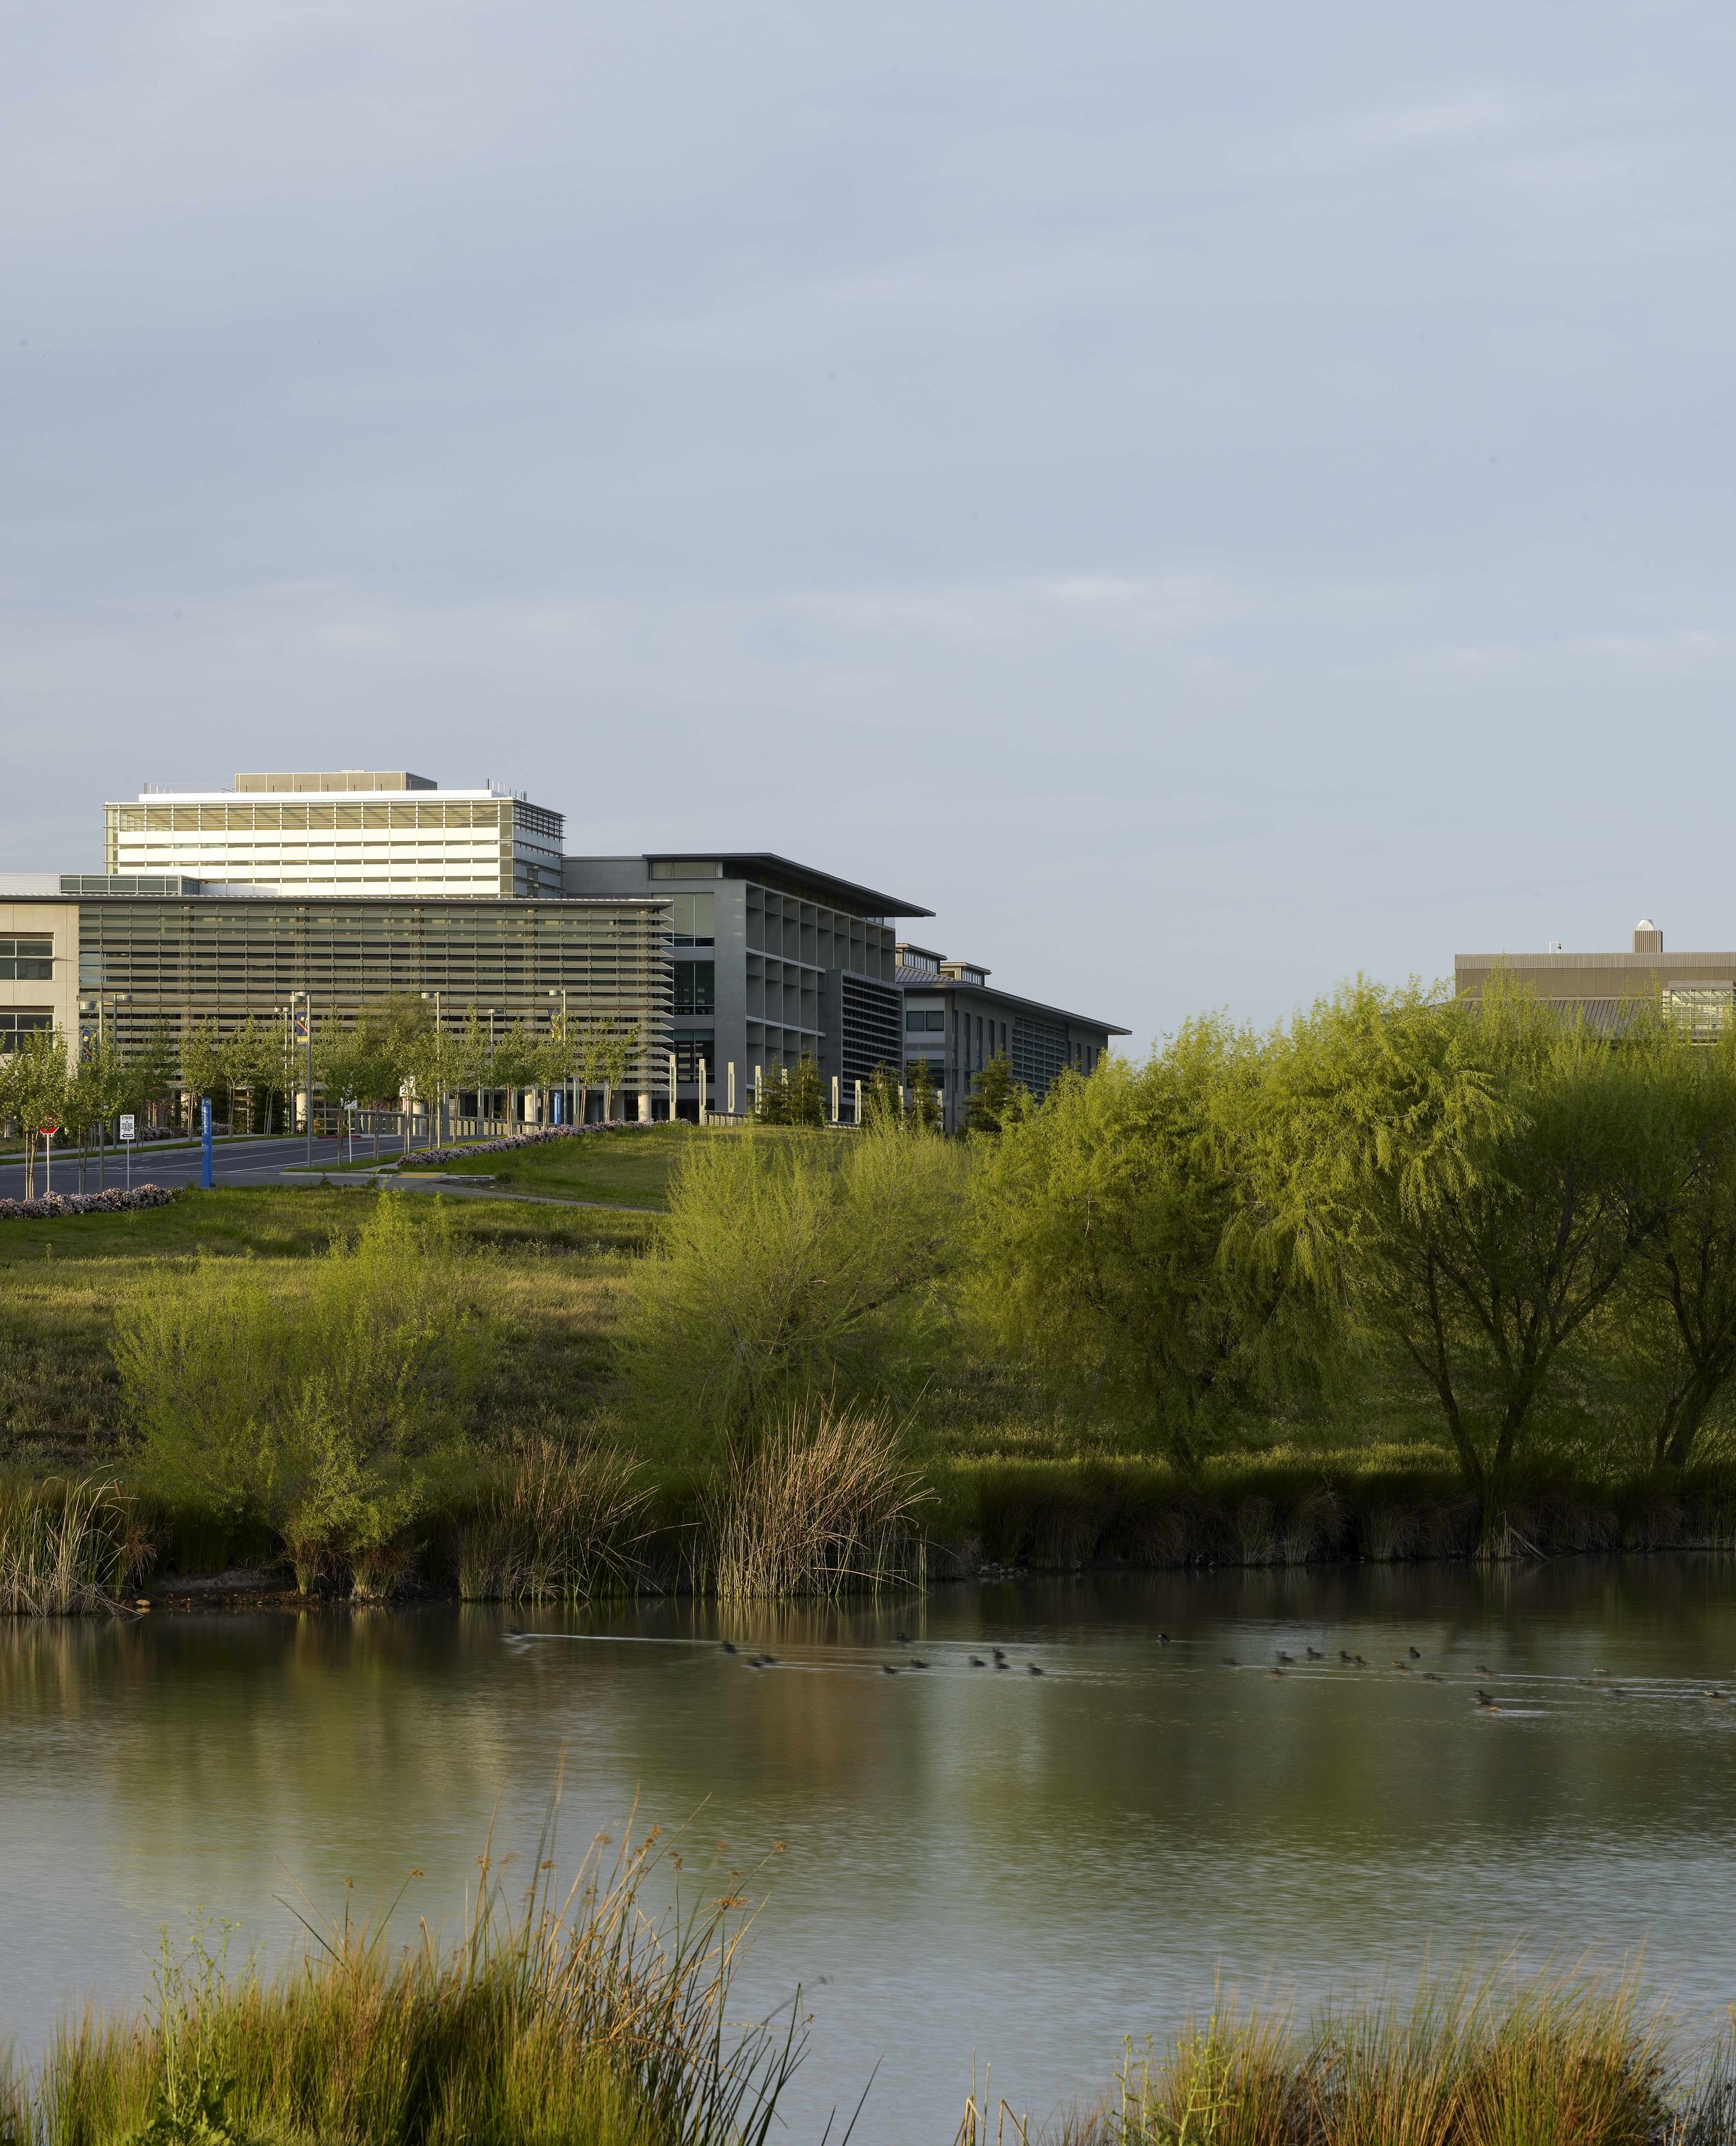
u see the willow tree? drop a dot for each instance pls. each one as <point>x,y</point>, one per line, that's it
<point>1120,1249</point>
<point>1680,1183</point>
<point>1463,1169</point>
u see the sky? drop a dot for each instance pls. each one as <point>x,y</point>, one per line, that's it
<point>1210,501</point>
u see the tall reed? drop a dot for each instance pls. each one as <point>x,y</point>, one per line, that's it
<point>67,1547</point>
<point>823,1503</point>
<point>556,1523</point>
<point>582,2016</point>
<point>1491,2060</point>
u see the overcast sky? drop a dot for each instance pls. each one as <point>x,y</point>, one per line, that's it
<point>1207,499</point>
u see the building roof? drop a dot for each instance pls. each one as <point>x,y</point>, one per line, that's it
<point>925,980</point>
<point>766,865</point>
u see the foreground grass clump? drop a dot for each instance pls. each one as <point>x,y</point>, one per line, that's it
<point>555,1523</point>
<point>1551,2061</point>
<point>823,1503</point>
<point>582,2017</point>
<point>67,1547</point>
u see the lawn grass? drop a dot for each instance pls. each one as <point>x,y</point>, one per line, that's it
<point>628,1168</point>
<point>553,1277</point>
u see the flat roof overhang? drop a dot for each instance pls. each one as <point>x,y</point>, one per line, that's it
<point>765,864</point>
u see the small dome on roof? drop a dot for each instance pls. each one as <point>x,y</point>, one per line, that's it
<point>1645,924</point>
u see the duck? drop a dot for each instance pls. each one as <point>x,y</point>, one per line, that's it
<point>915,1664</point>
<point>888,1669</point>
<point>1487,1704</point>
<point>1315,1655</point>
<point>1414,1653</point>
<point>1344,1657</point>
<point>1032,1667</point>
<point>728,1648</point>
<point>1163,1639</point>
<point>978,1663</point>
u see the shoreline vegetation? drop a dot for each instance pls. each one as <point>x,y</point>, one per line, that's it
<point>1408,1279</point>
<point>601,2009</point>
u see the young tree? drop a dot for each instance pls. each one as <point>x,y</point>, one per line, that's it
<point>1114,1254</point>
<point>924,1112</point>
<point>1462,1165</point>
<point>203,1068</point>
<point>610,1047</point>
<point>788,1269</point>
<point>806,1093</point>
<point>88,1097</point>
<point>553,1063</point>
<point>772,1098</point>
<point>1679,1309</point>
<point>882,1098</point>
<point>33,1091</point>
<point>997,1100</point>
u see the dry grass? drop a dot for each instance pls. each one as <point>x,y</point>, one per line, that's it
<point>583,2016</point>
<point>1491,2060</point>
<point>824,1504</point>
<point>555,1524</point>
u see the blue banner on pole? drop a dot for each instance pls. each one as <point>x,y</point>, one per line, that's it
<point>205,1142</point>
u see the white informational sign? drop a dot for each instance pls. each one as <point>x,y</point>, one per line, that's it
<point>128,1125</point>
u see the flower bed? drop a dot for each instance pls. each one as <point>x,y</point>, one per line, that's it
<point>53,1204</point>
<point>540,1138</point>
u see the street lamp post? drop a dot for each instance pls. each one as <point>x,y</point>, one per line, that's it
<point>437,1106</point>
<point>560,1094</point>
<point>306,998</point>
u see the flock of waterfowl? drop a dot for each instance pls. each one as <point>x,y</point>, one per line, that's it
<point>1485,1701</point>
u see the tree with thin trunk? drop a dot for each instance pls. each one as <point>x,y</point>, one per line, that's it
<point>1461,1168</point>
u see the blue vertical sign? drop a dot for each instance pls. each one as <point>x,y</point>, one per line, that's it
<point>558,1106</point>
<point>205,1142</point>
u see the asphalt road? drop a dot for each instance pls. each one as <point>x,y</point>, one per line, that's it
<point>232,1162</point>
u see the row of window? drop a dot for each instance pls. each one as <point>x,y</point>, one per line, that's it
<point>21,1020</point>
<point>27,961</point>
<point>239,819</point>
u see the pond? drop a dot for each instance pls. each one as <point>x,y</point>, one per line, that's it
<point>980,1865</point>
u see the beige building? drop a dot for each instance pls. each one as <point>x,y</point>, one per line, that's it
<point>343,831</point>
<point>38,963</point>
<point>1696,991</point>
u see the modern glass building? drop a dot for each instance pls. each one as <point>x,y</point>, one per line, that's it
<point>354,884</point>
<point>351,832</point>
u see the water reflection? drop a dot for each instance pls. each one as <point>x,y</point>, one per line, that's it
<point>980,1859</point>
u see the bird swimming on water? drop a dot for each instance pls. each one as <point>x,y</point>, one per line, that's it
<point>1033,1668</point>
<point>1414,1653</point>
<point>1315,1655</point>
<point>978,1663</point>
<point>1487,1704</point>
<point>727,1648</point>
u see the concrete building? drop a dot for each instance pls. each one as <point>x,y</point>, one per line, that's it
<point>957,1020</point>
<point>348,832</point>
<point>770,958</point>
<point>1694,990</point>
<point>353,884</point>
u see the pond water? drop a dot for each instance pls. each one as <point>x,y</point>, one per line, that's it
<point>1016,1869</point>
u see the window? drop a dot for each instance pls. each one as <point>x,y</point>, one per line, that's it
<point>27,961</point>
<point>694,919</point>
<point>1698,1012</point>
<point>925,1021</point>
<point>16,1021</point>
<point>693,1047</point>
<point>695,986</point>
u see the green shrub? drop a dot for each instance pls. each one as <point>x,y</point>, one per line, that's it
<point>789,1266</point>
<point>324,1408</point>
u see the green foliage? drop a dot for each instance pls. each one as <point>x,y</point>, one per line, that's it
<point>771,1097</point>
<point>806,1094</point>
<point>789,1266</point>
<point>997,1100</point>
<point>326,1410</point>
<point>923,1111</point>
<point>882,1099</point>
<point>202,1060</point>
<point>1464,1172</point>
<point>1115,1248</point>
